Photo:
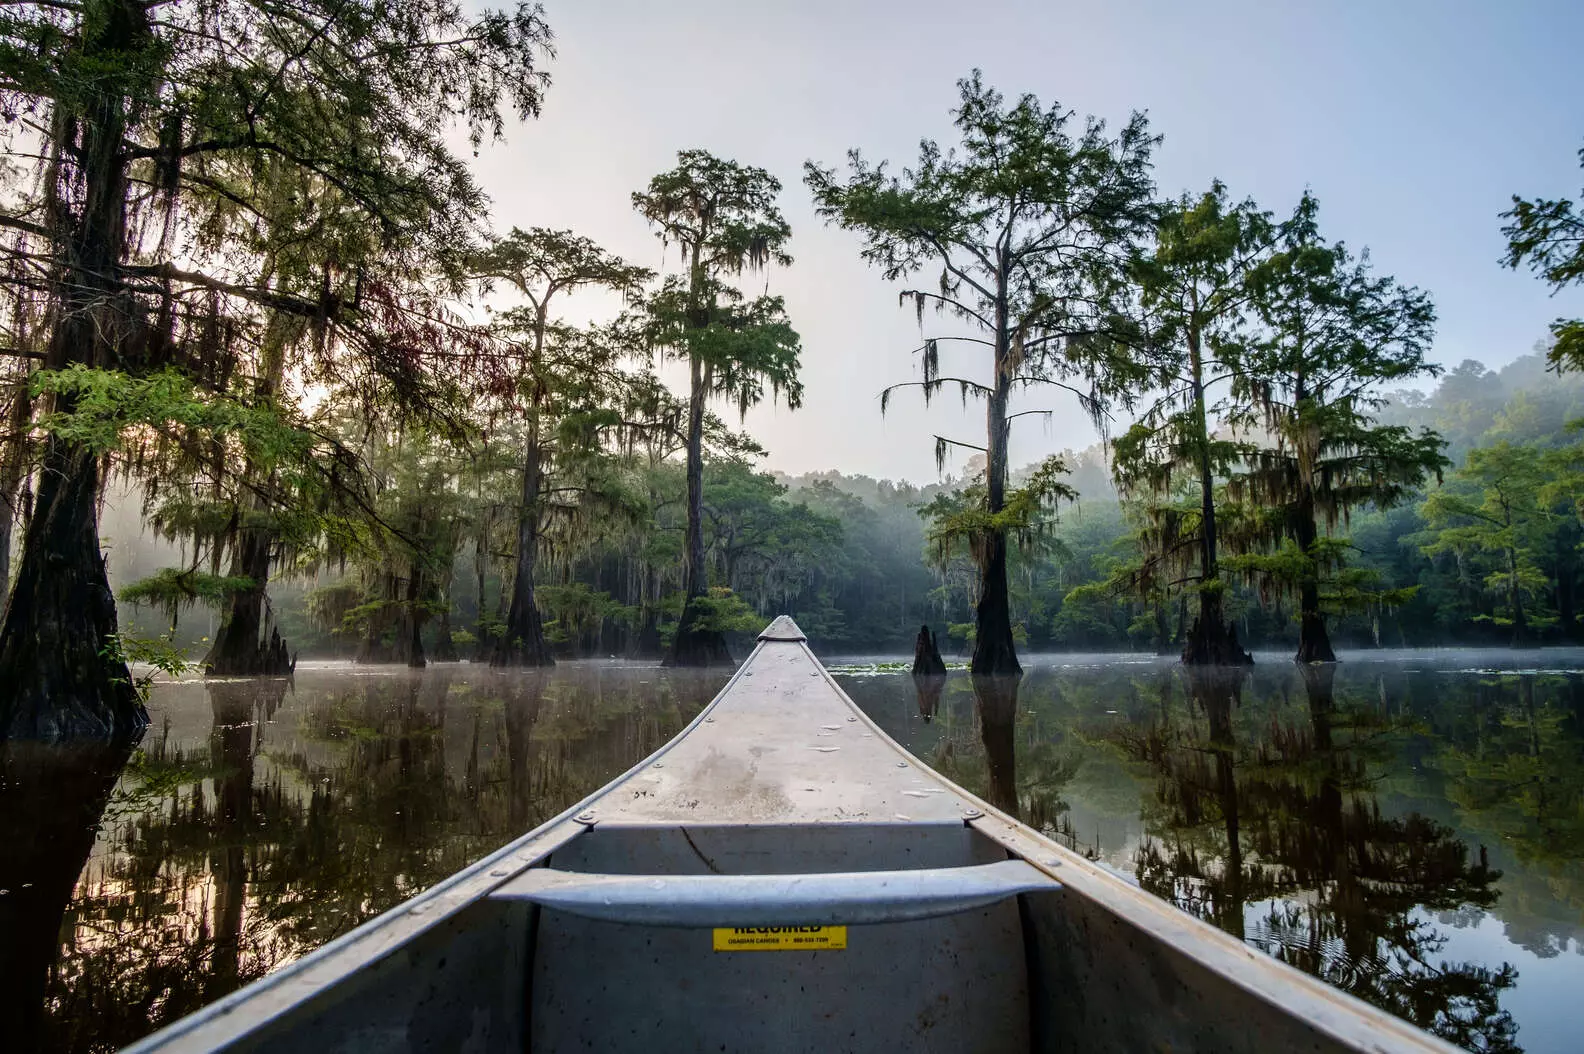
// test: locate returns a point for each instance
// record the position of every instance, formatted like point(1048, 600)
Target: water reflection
point(996, 700)
point(260, 819)
point(1281, 840)
point(1362, 821)
point(44, 851)
point(930, 687)
point(1407, 831)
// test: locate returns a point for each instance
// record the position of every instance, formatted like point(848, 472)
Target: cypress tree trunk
point(485, 645)
point(13, 469)
point(522, 643)
point(995, 652)
point(61, 618)
point(1520, 636)
point(695, 645)
point(927, 661)
point(61, 680)
point(241, 647)
point(413, 652)
point(1314, 643)
point(445, 645)
point(1212, 641)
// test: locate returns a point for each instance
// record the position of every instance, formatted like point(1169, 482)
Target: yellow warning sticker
point(781, 939)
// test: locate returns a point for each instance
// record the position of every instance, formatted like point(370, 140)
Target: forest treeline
point(848, 556)
point(251, 281)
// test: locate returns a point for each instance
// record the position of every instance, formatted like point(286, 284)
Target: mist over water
point(1404, 825)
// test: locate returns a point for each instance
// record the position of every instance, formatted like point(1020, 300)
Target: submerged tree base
point(697, 646)
point(526, 650)
point(1314, 643)
point(61, 666)
point(263, 659)
point(1214, 644)
point(995, 654)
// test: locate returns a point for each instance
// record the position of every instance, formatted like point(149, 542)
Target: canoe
point(782, 876)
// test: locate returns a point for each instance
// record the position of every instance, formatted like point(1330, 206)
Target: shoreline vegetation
point(255, 294)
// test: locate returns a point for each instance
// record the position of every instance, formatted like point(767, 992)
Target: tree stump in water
point(1214, 645)
point(927, 661)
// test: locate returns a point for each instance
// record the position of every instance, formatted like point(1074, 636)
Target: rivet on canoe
point(852, 719)
point(709, 720)
point(659, 765)
point(1053, 861)
point(901, 764)
point(499, 872)
point(586, 817)
point(972, 813)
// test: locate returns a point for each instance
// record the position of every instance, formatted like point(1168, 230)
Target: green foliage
point(1195, 299)
point(723, 611)
point(724, 219)
point(172, 589)
point(1028, 223)
point(575, 612)
point(160, 654)
point(1332, 333)
point(106, 406)
point(1548, 235)
point(1497, 514)
point(963, 520)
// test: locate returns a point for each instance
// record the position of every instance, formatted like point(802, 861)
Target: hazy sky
point(1413, 122)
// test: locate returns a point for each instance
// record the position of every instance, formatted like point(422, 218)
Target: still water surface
point(1408, 826)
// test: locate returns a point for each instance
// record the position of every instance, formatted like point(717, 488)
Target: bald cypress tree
point(543, 265)
point(1194, 293)
point(1027, 223)
point(1307, 389)
point(724, 219)
point(151, 123)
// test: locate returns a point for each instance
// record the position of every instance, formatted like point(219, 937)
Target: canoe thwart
point(833, 899)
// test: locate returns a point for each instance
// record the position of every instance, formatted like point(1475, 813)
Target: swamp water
point(1408, 826)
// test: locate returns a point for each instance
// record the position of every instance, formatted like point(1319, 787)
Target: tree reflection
point(1279, 840)
point(930, 687)
point(996, 699)
point(999, 755)
point(52, 799)
point(161, 922)
point(1512, 758)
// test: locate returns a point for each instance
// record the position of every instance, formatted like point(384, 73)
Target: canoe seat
point(635, 940)
point(831, 899)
